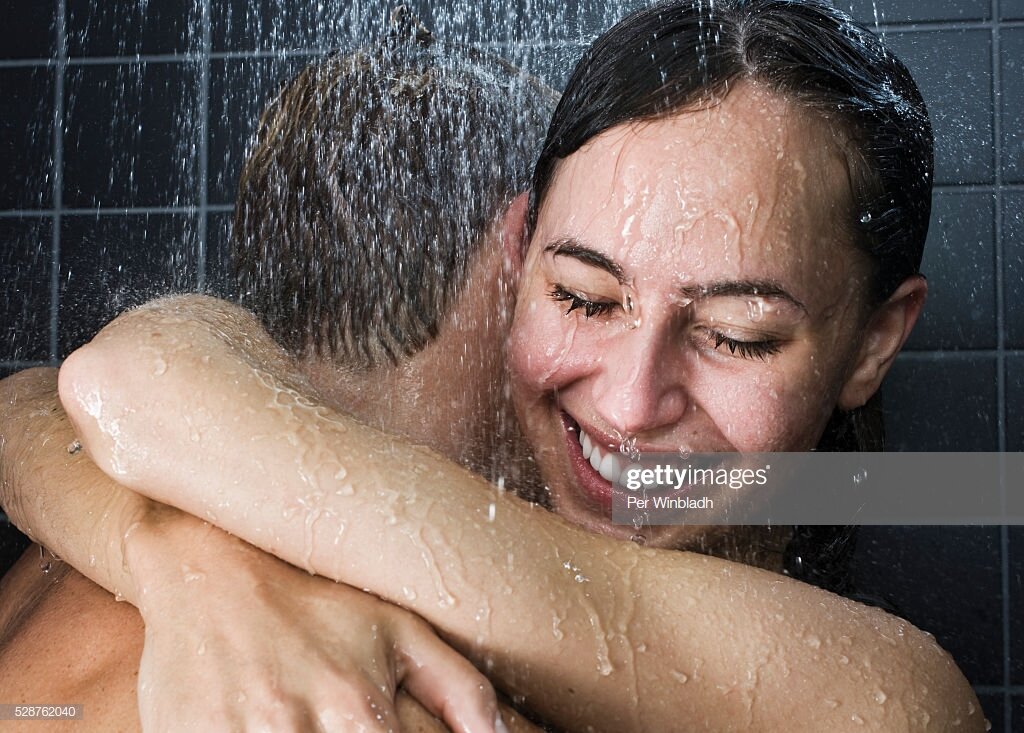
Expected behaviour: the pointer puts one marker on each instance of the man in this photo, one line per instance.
(376, 173)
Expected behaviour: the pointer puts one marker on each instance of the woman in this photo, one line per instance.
(722, 254)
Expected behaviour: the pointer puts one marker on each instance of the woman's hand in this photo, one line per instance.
(238, 640)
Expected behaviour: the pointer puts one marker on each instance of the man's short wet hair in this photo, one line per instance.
(374, 178)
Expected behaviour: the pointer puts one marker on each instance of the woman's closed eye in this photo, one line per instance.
(758, 349)
(576, 301)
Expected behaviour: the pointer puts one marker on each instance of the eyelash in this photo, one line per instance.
(577, 302)
(746, 349)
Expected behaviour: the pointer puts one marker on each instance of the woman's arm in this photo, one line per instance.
(309, 647)
(594, 632)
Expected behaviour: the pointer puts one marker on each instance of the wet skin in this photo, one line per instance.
(689, 287)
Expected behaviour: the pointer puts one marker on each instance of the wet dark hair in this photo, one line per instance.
(372, 182)
(679, 55)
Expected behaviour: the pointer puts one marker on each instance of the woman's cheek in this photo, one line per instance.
(758, 412)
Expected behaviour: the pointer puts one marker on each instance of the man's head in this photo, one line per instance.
(373, 182)
(367, 230)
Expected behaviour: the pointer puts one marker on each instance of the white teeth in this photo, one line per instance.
(607, 464)
(609, 469)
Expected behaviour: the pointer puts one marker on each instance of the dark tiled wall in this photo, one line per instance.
(124, 128)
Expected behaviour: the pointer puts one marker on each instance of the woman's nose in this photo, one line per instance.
(641, 385)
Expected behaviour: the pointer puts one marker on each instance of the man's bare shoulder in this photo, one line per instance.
(65, 641)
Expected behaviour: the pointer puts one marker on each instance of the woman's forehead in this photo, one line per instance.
(749, 151)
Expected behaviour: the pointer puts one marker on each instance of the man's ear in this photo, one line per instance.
(884, 336)
(513, 234)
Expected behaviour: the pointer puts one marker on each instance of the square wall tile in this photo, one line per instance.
(240, 89)
(954, 71)
(220, 279)
(26, 248)
(870, 12)
(994, 708)
(523, 21)
(26, 138)
(924, 572)
(113, 262)
(1015, 408)
(132, 27)
(280, 25)
(959, 262)
(1016, 572)
(30, 29)
(1011, 59)
(1013, 268)
(1017, 712)
(941, 404)
(1011, 9)
(131, 135)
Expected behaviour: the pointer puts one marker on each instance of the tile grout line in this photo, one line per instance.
(58, 180)
(1004, 531)
(204, 145)
(114, 211)
(990, 24)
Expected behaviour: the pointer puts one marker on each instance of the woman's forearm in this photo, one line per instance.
(595, 632)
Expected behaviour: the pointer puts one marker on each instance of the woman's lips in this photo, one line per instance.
(593, 484)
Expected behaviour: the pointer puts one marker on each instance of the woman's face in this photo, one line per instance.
(688, 287)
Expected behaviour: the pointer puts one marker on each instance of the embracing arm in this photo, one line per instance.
(592, 631)
(183, 574)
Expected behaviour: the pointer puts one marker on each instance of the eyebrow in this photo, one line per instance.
(569, 247)
(727, 288)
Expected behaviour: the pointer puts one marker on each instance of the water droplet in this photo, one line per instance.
(639, 539)
(680, 677)
(189, 575)
(880, 697)
(813, 641)
(755, 310)
(201, 649)
(491, 511)
(159, 367)
(74, 447)
(865, 218)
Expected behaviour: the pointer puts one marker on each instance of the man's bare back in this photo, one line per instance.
(64, 640)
